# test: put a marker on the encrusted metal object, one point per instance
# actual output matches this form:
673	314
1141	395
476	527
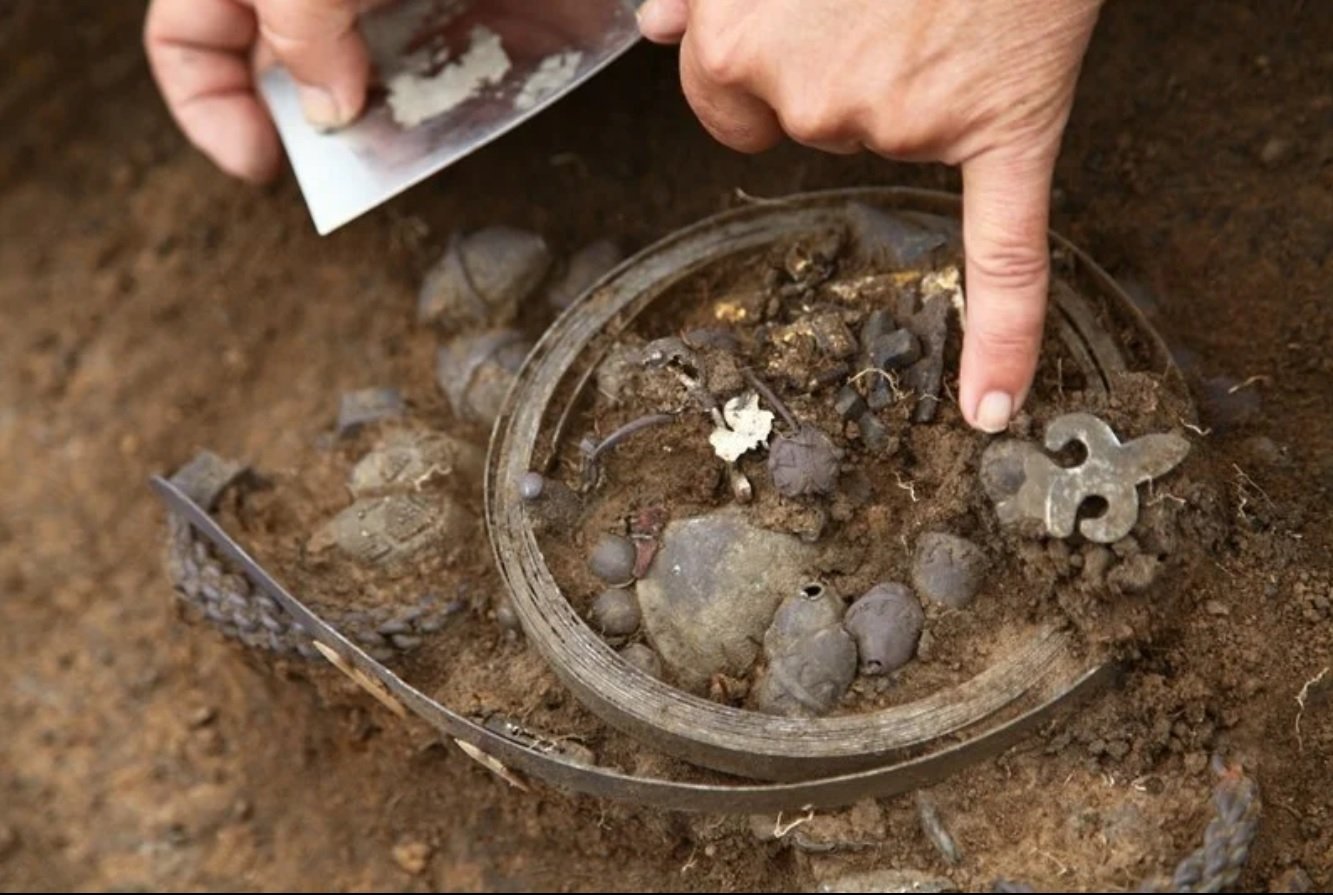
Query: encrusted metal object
1052	494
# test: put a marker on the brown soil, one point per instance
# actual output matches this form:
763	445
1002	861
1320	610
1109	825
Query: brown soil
152	308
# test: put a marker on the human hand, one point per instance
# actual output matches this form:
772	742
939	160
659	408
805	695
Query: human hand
983	84
204	54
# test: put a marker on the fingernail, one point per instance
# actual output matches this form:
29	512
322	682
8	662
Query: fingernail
320	108
994	411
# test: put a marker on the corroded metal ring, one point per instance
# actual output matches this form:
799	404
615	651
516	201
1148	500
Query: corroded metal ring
1088	308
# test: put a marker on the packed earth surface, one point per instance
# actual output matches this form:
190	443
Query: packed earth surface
153	309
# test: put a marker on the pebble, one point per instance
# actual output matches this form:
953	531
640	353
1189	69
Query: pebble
1275	151
412	855
585	267
895	350
389	531
712	590
643	658
886	624
368	405
406	460
506	616
804	464
1216	607
616	612
612	559
948	569
476	370
811	657
483	277
531	485
890	240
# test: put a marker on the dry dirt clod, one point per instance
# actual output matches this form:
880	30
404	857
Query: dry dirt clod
612	560
889	881
886	624
811	657
616	612
643	658
948	569
483	277
584	267
712	590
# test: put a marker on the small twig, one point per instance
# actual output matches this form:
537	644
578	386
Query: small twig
907	485
768	395
1249	382
1300	702
751	199
1197	430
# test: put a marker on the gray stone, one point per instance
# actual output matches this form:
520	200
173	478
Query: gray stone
947	569
811	658
205	477
475	372
615	612
406	460
888	241
643	658
804	463
712	590
612	559
585	267
368	405
483	277
895	350
389	531
886	624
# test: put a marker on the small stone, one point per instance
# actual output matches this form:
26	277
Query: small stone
889	240
1216	607
849	403
612	559
476	370
888	881
948	569
507	617
205	477
804	464
1275	151
531	485
365	406
389	531
811	657
643	658
483	277
201	716
405	461
412	855
895	350
616	613
712	590
1002	467
585	267
886	624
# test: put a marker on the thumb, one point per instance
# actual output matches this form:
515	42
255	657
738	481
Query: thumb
1006	208
664	21
318	42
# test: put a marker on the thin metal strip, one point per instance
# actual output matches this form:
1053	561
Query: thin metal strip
825	792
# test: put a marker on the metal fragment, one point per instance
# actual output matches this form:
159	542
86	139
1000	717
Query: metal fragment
1052	494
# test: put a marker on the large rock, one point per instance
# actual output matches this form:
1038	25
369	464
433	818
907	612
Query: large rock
712	590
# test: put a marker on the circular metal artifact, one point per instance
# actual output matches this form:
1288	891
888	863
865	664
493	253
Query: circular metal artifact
961	722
